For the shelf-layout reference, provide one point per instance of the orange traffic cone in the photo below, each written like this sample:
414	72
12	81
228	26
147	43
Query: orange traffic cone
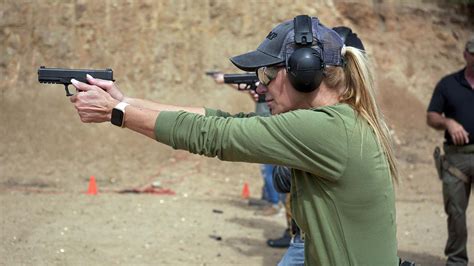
245	191
92	186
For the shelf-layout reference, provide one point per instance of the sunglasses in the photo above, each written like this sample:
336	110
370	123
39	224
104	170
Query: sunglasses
267	74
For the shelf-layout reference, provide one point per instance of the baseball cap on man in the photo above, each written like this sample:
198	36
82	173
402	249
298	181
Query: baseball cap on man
470	45
280	44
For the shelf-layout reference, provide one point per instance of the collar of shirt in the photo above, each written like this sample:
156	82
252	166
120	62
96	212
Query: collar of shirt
461	78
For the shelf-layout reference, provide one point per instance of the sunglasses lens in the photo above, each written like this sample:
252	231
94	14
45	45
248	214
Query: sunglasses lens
263	77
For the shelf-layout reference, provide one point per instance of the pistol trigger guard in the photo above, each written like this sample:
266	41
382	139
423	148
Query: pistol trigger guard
67	90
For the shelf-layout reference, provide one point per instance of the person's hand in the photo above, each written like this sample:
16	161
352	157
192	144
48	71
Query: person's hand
107	85
218	77
93	104
459	135
254	95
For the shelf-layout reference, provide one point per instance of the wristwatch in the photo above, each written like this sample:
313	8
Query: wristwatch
118	114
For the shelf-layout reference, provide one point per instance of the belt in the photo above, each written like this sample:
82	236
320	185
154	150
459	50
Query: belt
458	149
295	230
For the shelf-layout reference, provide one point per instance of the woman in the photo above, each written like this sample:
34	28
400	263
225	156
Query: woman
325	125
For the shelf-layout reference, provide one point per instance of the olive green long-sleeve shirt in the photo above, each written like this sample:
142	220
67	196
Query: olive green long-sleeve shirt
342	192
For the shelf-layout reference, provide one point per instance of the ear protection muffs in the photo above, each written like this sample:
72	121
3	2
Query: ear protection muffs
305	66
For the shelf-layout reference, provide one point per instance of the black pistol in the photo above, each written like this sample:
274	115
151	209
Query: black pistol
64	75
211	73
248	80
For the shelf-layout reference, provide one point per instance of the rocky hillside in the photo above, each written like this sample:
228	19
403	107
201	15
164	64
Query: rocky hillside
160	50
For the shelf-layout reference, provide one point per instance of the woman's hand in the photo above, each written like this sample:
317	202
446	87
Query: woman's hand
93	103
108	86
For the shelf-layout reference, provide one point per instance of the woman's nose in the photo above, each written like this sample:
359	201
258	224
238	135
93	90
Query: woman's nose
261	89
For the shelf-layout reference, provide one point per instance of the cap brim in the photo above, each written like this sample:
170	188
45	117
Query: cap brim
253	60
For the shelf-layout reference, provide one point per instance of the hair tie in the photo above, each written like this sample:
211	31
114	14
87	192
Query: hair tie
343	50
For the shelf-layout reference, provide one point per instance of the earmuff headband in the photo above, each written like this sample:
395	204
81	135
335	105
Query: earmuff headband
303	30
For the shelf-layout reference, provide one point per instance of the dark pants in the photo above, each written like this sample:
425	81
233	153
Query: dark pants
456	198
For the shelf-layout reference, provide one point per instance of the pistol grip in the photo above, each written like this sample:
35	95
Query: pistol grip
67	90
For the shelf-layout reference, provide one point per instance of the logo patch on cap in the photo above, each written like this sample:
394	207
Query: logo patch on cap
272	35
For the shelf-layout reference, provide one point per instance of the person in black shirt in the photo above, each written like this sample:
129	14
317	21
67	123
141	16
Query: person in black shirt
452	109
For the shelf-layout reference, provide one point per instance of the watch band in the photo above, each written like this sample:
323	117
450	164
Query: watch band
121	106
118	114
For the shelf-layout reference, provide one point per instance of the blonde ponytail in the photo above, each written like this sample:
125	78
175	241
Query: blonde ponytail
357	82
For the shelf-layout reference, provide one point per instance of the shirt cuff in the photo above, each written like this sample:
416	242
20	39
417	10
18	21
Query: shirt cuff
210	112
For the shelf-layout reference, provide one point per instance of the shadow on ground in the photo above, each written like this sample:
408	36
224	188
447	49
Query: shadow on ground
256	246
253	245
421	258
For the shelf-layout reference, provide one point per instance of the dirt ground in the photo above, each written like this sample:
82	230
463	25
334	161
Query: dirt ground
160	50
43	223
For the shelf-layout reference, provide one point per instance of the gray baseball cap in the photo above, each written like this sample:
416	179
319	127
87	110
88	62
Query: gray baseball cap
279	45
470	45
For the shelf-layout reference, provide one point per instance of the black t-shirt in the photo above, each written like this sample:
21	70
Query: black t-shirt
454	97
